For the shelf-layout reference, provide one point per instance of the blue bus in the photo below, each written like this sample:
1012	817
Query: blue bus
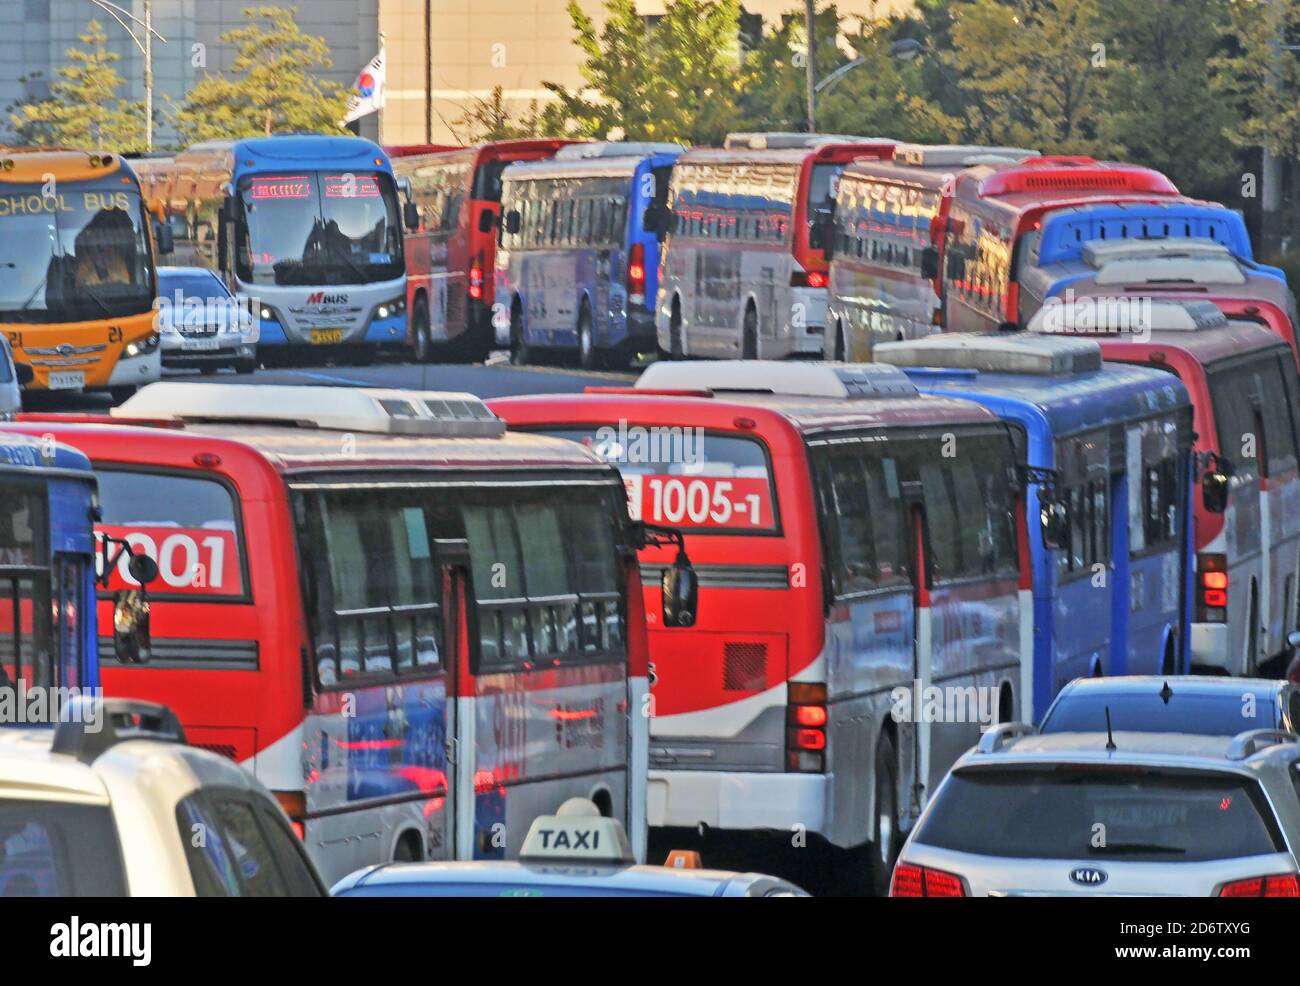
48	501
577	267
1110	453
307	228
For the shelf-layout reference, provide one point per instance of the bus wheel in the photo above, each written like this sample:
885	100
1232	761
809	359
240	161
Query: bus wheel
407	849
120	394
422	345
884	828
749	337
589	358
839	342
520	353
676	349
246	366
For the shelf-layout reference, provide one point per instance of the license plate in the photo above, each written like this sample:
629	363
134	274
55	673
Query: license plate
66	380
326	337
200	343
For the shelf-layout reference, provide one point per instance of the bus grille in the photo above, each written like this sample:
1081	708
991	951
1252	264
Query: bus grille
744	667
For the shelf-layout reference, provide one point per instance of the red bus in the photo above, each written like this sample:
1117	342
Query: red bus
884	241
860	549
419	631
451	256
743	272
1246	401
995	207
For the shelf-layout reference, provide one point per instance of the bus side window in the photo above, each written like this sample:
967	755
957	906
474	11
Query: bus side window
857	556
942	523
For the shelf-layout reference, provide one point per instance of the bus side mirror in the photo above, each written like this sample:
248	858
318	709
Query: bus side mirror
411	216
486	220
131	626
24	373
512	222
929	263
681	593
164	238
1055	522
1214	491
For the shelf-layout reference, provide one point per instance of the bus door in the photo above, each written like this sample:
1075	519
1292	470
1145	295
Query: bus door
1083	608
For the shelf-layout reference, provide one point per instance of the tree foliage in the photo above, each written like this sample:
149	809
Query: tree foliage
84	108
488	119
272	87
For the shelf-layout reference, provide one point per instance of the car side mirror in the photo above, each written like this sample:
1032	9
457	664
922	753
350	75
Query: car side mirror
929	263
164	238
411	216
1214	491
512	222
681	593
24	374
486	220
1054	520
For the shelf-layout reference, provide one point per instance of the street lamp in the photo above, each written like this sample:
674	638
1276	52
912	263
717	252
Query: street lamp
145	43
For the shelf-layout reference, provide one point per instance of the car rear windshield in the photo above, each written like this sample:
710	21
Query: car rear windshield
58	850
1204	715
1107	812
503	890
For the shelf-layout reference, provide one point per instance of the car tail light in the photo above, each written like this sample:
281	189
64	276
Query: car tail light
1280	885
807	716
1211	588
636	274
922	881
476	278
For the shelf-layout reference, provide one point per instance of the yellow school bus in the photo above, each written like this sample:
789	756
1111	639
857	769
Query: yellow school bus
78	274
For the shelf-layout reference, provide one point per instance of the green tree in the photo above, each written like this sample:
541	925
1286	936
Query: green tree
272	88
774	78
84	109
673	81
1155	60
1033	73
490	119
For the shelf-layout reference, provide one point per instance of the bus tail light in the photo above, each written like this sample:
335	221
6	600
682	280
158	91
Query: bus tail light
808	279
1280	885
636	275
1211	588
476	278
294	804
922	881
806	718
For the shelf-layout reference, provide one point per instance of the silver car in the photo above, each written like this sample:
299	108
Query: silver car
202	325
111	802
1122	814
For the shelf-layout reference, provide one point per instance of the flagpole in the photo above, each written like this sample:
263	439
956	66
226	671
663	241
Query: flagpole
383	98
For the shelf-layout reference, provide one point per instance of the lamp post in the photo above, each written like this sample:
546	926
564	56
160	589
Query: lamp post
810	70
145	43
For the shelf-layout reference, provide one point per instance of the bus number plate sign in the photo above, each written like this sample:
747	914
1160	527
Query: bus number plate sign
743	503
326	337
66	380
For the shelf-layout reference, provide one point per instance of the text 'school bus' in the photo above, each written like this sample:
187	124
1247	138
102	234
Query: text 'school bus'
1115	443
47	573
1195	268
306	228
996	209
577	263
742	273
884	240
78	273
419	631
860	552
450	256
1244	392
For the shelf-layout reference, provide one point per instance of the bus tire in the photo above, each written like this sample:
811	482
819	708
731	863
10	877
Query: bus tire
676	348
408	849
589	357
882	851
246	366
422	344
521	353
749	333
120	394
839	342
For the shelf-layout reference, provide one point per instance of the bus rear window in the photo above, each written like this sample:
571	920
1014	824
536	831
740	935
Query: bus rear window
187	524
687	477
59	850
1053	812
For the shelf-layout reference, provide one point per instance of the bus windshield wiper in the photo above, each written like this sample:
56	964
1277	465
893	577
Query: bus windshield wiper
1125	848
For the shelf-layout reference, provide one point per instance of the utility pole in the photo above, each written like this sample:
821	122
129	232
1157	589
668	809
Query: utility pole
145	43
810	69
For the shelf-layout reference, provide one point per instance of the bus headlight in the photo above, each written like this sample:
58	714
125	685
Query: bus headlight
141	346
388	309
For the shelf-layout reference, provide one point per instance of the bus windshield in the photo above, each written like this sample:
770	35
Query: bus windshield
316	227
78	253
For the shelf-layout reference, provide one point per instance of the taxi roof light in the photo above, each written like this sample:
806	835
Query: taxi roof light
577	833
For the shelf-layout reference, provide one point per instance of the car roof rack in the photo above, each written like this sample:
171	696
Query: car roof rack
1019	352
993	740
431	414
118	720
780	378
1253	741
